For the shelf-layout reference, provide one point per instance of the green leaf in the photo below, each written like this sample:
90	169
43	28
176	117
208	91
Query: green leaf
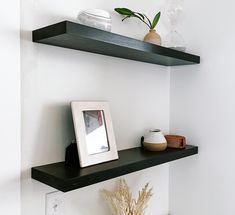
155	20
124	11
129	13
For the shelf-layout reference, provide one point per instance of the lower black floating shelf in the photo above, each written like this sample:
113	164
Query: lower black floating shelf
65	178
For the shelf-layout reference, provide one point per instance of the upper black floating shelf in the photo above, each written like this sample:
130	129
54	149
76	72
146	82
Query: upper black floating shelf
65	179
80	37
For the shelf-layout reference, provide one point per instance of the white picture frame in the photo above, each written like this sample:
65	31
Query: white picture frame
89	150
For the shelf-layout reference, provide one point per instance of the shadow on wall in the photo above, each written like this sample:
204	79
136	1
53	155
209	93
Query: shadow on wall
55	132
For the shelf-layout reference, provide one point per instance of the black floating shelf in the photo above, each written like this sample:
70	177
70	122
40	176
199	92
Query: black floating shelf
75	36
65	178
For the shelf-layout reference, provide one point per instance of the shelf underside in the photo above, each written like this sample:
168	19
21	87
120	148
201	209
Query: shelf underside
76	36
65	178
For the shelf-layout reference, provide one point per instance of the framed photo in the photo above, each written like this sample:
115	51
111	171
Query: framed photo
94	132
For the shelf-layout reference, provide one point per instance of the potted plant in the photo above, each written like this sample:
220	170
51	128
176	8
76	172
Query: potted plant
152	36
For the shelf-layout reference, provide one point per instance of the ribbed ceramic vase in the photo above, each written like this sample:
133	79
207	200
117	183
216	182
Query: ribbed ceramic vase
153	37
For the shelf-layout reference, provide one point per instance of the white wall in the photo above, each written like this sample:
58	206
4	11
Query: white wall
51	77
202	108
10	108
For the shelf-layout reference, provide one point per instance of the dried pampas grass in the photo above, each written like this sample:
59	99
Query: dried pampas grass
122	203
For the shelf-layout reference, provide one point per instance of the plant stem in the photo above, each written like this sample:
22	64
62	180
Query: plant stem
149	25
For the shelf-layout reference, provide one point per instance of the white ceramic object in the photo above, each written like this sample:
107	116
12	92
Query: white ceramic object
154	140
96	18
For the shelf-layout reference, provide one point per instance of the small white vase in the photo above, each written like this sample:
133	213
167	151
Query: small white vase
154	140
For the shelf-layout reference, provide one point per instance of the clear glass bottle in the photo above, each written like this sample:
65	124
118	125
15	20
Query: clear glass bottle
174	39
